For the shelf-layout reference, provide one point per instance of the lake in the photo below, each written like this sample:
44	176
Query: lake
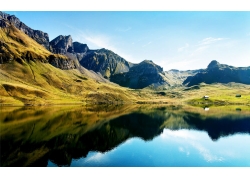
125	136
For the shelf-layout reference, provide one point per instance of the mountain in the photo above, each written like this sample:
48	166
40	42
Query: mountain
104	61
141	75
30	74
220	73
176	77
39	36
61	45
20	47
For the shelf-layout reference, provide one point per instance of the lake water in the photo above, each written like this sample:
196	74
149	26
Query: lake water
125	136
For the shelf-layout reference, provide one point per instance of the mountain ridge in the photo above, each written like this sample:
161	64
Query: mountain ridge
220	73
103	64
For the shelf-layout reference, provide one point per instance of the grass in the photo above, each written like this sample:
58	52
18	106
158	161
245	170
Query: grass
36	82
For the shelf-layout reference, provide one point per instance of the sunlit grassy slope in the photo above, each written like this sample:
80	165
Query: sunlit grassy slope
19	46
37	83
40	83
28	79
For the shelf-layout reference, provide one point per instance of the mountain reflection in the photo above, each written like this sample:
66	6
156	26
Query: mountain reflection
33	136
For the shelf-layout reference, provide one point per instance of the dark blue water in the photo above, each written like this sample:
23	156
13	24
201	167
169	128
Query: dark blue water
140	137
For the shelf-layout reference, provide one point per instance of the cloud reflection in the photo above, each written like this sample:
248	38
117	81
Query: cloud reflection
206	154
184	134
194	140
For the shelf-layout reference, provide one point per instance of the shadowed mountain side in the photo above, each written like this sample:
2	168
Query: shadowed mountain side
62	134
220	73
140	76
105	61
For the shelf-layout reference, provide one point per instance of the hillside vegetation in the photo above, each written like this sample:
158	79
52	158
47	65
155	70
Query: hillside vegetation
32	74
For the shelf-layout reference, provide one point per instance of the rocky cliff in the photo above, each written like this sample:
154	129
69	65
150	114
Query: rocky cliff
141	75
105	61
102	61
220	73
62	45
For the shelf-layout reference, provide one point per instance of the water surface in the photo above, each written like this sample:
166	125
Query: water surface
125	136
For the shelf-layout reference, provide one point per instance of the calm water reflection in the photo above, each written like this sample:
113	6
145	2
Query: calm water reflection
125	136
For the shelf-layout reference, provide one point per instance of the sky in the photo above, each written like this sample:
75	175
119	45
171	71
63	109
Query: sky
183	40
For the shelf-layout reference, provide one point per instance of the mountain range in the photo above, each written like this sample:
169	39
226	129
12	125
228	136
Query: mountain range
23	45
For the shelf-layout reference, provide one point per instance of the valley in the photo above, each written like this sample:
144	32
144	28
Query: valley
36	71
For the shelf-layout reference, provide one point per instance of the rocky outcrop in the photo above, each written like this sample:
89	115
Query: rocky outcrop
39	36
220	73
141	75
62	45
80	48
61	63
105	61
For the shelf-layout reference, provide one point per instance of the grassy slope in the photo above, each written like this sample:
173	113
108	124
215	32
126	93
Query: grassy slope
220	94
19	45
39	83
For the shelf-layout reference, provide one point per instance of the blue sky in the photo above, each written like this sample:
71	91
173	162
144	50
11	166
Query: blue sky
172	39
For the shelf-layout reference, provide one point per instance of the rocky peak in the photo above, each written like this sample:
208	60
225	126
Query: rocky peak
149	66
213	64
62	45
39	36
3	15
105	61
80	48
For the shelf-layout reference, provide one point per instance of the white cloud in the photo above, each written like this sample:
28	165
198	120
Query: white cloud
200	49
183	48
205	44
209	40
100	41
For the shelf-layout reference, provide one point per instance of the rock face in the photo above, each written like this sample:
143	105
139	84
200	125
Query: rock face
39	36
105	61
62	63
140	76
80	48
220	73
102	61
62	45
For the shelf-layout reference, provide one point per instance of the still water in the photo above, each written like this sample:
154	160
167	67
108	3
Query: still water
125	136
